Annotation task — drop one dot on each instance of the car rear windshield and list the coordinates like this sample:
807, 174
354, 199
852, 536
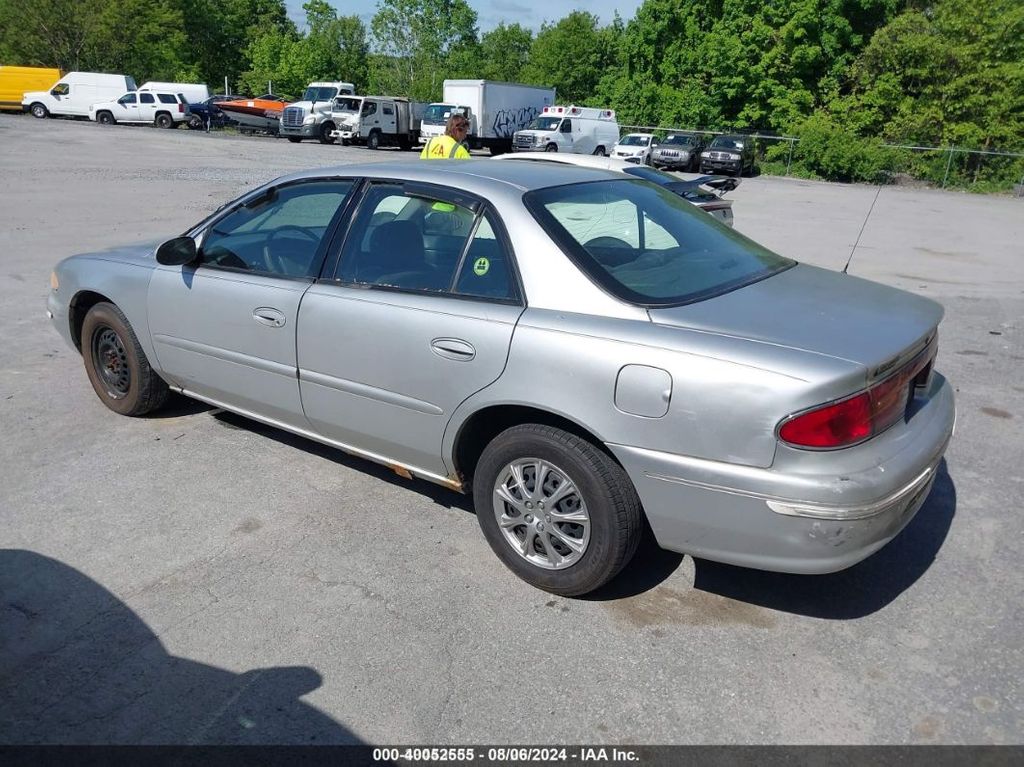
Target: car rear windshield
648, 246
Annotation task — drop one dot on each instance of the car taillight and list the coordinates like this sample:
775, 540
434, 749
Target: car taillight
181, 108
862, 416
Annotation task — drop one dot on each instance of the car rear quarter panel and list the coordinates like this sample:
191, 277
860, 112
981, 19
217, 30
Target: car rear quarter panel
726, 395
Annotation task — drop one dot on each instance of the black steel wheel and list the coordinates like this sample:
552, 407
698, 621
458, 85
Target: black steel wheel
164, 120
105, 118
325, 133
117, 366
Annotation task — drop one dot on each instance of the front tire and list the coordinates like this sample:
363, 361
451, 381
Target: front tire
39, 111
556, 510
373, 140
294, 139
105, 118
551, 148
325, 133
117, 366
599, 152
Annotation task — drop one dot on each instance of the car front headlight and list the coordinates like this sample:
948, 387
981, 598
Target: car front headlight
309, 120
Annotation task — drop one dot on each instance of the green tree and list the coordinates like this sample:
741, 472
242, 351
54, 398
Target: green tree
48, 33
336, 47
571, 55
414, 41
504, 52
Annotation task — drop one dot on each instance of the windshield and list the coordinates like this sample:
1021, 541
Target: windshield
438, 114
679, 140
646, 245
633, 140
314, 93
347, 105
727, 142
544, 123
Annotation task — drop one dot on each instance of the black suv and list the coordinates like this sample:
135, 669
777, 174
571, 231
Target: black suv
728, 154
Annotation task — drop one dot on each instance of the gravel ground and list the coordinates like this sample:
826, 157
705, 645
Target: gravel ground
197, 578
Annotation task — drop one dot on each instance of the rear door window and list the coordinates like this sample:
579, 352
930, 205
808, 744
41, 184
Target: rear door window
146, 98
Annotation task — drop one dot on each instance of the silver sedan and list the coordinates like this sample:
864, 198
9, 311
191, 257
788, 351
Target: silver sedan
586, 353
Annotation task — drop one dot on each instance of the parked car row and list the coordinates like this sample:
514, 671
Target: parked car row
732, 154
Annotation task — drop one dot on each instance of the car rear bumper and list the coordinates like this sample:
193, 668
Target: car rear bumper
815, 520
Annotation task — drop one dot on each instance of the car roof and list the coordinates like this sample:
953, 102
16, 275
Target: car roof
475, 176
566, 158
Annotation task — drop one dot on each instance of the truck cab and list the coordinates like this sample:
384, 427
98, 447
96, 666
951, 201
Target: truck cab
377, 120
580, 130
436, 117
311, 116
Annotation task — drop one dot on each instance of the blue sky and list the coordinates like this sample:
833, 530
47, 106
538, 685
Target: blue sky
490, 12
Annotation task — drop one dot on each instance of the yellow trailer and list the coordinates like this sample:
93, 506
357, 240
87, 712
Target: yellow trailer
15, 82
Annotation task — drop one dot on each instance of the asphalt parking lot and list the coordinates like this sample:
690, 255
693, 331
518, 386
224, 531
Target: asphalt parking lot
198, 578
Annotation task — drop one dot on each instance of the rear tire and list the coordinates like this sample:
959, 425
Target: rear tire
117, 366
39, 111
105, 118
164, 120
599, 152
324, 133
591, 527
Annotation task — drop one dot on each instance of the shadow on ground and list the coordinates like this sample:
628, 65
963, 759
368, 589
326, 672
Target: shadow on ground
77, 666
858, 591
440, 495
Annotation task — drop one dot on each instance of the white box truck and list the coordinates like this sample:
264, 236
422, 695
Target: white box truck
377, 121
581, 130
75, 92
194, 93
495, 111
311, 116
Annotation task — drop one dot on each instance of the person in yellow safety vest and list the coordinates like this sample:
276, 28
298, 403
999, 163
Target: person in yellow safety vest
449, 146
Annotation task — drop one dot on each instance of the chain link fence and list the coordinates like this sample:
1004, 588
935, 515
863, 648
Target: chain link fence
945, 167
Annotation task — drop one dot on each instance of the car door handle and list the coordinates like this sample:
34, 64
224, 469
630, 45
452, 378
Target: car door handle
453, 349
266, 315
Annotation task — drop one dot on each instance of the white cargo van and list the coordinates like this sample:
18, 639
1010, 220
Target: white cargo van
570, 129
194, 93
75, 92
495, 111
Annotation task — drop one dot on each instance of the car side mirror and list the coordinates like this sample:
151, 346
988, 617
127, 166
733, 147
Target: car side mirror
177, 252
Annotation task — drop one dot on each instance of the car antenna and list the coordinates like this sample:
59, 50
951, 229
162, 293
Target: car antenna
862, 227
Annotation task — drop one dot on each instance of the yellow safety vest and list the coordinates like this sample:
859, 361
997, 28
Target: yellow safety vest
444, 147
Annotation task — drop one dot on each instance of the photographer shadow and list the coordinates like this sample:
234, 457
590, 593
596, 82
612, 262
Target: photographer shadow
79, 667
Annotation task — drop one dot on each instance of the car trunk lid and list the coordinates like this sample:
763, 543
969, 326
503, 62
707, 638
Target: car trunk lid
821, 312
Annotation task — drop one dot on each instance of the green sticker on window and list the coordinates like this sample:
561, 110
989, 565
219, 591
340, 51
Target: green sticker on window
481, 266
443, 207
